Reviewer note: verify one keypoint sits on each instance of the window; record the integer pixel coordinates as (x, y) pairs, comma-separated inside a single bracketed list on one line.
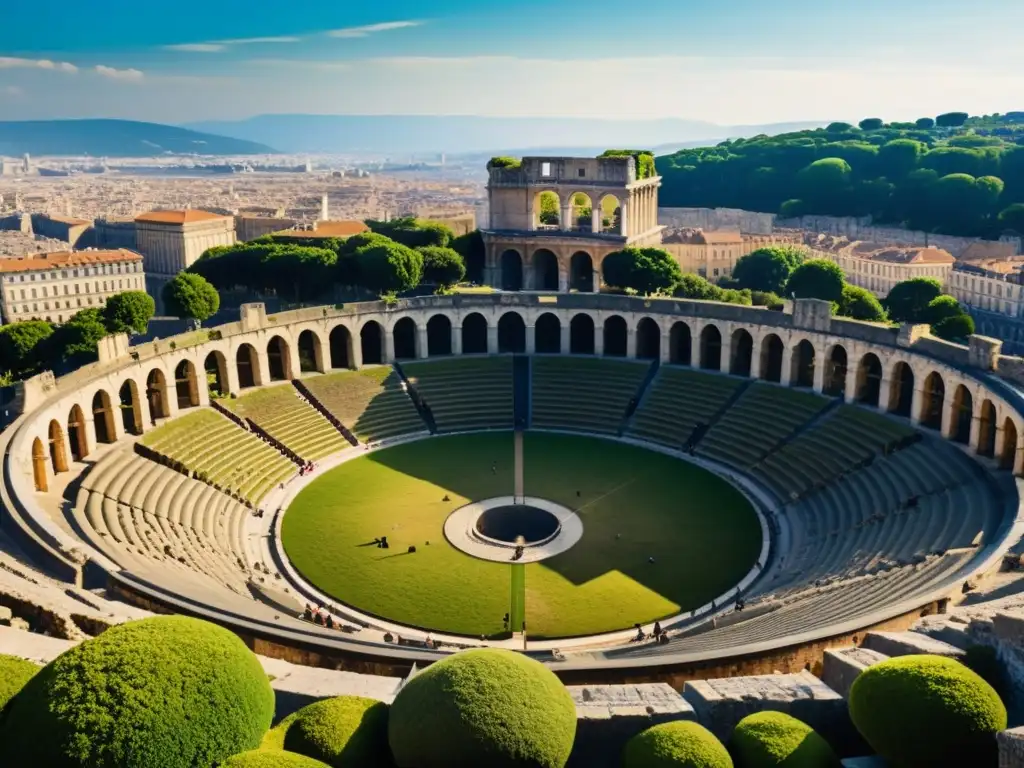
[(33, 293), (545, 169), (22, 294), (65, 289), (79, 302), (78, 288), (583, 173), (715, 272)]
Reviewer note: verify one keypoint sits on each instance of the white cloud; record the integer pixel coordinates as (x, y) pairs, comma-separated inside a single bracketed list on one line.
[(129, 75), (301, 64), (218, 46), (196, 47), (259, 40), (12, 90), (369, 29), (9, 62)]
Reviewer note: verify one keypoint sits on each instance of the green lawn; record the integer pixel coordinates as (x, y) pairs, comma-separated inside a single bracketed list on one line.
[(635, 504)]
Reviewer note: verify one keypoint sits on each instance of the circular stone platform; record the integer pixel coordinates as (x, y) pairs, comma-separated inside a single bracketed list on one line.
[(489, 529)]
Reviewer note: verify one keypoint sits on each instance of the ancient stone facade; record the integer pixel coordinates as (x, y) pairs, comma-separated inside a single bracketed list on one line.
[(171, 241)]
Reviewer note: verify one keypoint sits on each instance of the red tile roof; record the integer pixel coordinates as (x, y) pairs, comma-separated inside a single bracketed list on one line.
[(42, 262), (179, 217)]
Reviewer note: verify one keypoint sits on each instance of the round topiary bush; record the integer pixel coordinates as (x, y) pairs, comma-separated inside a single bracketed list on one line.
[(14, 673), (927, 711), (483, 707), (778, 740), (157, 693), (261, 758), (680, 744), (344, 732)]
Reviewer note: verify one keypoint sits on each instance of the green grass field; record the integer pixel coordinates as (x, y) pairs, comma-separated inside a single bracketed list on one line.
[(635, 504)]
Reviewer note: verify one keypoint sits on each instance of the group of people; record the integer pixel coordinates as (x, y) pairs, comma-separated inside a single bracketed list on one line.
[(320, 617), (307, 468), (658, 634)]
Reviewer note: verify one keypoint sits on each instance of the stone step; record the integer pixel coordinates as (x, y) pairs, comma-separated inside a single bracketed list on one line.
[(843, 665), (908, 643)]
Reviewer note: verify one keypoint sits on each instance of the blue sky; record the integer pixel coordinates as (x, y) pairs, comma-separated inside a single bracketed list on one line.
[(732, 62)]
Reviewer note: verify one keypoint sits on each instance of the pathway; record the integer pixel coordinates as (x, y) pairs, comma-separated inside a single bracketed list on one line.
[(519, 490)]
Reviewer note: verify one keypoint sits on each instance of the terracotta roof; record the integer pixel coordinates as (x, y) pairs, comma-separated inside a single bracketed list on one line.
[(42, 262), (179, 217), (721, 238), (326, 229), (914, 256)]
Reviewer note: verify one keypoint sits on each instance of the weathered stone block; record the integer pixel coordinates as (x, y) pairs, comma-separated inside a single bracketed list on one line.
[(1011, 748), (295, 685), (909, 643), (841, 667)]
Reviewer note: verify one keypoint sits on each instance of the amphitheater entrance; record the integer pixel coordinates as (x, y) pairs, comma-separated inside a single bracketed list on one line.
[(869, 380), (742, 352), (340, 342), (216, 369), (1008, 452), (39, 466), (802, 367), (711, 348), (156, 395), (404, 334), (901, 390), (311, 356), (581, 273), (511, 333), (248, 367), (680, 344), (987, 430), (933, 397), (76, 434), (835, 372), (58, 452), (548, 334), (474, 334), (186, 388), (544, 267), (279, 363), (511, 271), (103, 418), (962, 415), (371, 340), (131, 410), (648, 340), (581, 335), (615, 333), (772, 351), (439, 336)]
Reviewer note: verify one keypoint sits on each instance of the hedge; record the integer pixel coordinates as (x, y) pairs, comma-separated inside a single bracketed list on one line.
[(681, 744), (163, 692), (14, 673), (484, 707), (260, 758), (778, 740), (344, 732), (927, 711)]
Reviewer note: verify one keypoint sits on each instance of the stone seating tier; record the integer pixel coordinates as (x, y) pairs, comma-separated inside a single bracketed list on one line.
[(466, 393), (371, 402), (586, 394)]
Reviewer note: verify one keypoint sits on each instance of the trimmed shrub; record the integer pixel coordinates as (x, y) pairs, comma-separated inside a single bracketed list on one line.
[(484, 707), (927, 711), (259, 758), (14, 673), (681, 744), (778, 740), (344, 732), (157, 693)]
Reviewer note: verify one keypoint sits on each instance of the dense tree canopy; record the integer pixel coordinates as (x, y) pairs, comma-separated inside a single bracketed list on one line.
[(767, 269), (645, 270), (128, 312), (190, 295), (908, 301), (817, 279), (389, 267), (23, 346), (861, 304), (442, 266), (412, 232)]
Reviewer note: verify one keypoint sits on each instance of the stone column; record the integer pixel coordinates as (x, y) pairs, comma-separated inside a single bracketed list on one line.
[(595, 278), (915, 406), (787, 366), (665, 347), (563, 281), (624, 217), (565, 339), (595, 217), (422, 343), (532, 223), (1018, 458), (975, 440), (456, 339), (948, 423), (293, 360), (231, 369), (492, 339), (567, 222), (598, 338), (262, 375), (355, 349), (389, 347), (725, 355), (531, 339), (202, 387), (819, 375), (631, 343)]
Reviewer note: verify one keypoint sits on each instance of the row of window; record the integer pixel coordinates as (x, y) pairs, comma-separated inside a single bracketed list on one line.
[(103, 269), (111, 285), (959, 280), (24, 308)]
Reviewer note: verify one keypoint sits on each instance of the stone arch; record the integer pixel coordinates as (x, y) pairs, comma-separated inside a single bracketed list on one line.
[(547, 210), (901, 390), (76, 433), (961, 415), (648, 339), (131, 408), (279, 362), (404, 335), (987, 429), (58, 451), (548, 334), (39, 466), (248, 367), (801, 372), (511, 271), (439, 336), (581, 272), (371, 341), (741, 352), (474, 334), (544, 268), (581, 334), (615, 336), (835, 372), (216, 368), (869, 380), (581, 211), (511, 333), (1008, 450), (103, 417), (711, 348), (340, 342), (933, 398), (156, 395), (311, 355), (680, 344), (772, 354), (186, 388), (611, 214)]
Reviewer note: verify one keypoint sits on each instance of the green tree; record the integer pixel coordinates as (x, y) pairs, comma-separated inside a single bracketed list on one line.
[(908, 301), (442, 266), (128, 312), (817, 279), (951, 119), (899, 157), (389, 268), (925, 123), (1012, 217), (692, 286), (861, 304), (940, 308), (871, 124), (549, 213), (471, 247), (955, 328), (825, 184), (412, 232), (190, 295), (839, 127), (75, 342), (767, 269), (23, 346), (645, 270)]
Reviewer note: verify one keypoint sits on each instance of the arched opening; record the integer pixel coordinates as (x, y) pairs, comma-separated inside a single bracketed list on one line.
[(439, 336), (186, 388), (987, 430), (131, 411), (544, 266), (216, 370), (156, 395), (39, 465), (869, 380), (511, 271), (581, 273), (933, 398), (711, 348), (835, 372), (476, 262), (615, 334), (771, 358), (279, 363), (548, 334), (1008, 454), (901, 390), (741, 352), (511, 333), (371, 340), (248, 366), (547, 210), (648, 340), (581, 335), (58, 452), (611, 215), (680, 342), (474, 334), (801, 372), (310, 353), (404, 334), (103, 418), (581, 208), (76, 434), (341, 347), (962, 415)]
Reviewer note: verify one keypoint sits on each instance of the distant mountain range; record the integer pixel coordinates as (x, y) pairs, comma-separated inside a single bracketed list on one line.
[(116, 138), (418, 134)]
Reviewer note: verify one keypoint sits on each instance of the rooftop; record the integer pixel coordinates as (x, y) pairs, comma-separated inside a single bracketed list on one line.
[(187, 216), (325, 229), (42, 262)]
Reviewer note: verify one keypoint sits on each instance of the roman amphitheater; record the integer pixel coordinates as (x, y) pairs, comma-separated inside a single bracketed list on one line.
[(869, 471)]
